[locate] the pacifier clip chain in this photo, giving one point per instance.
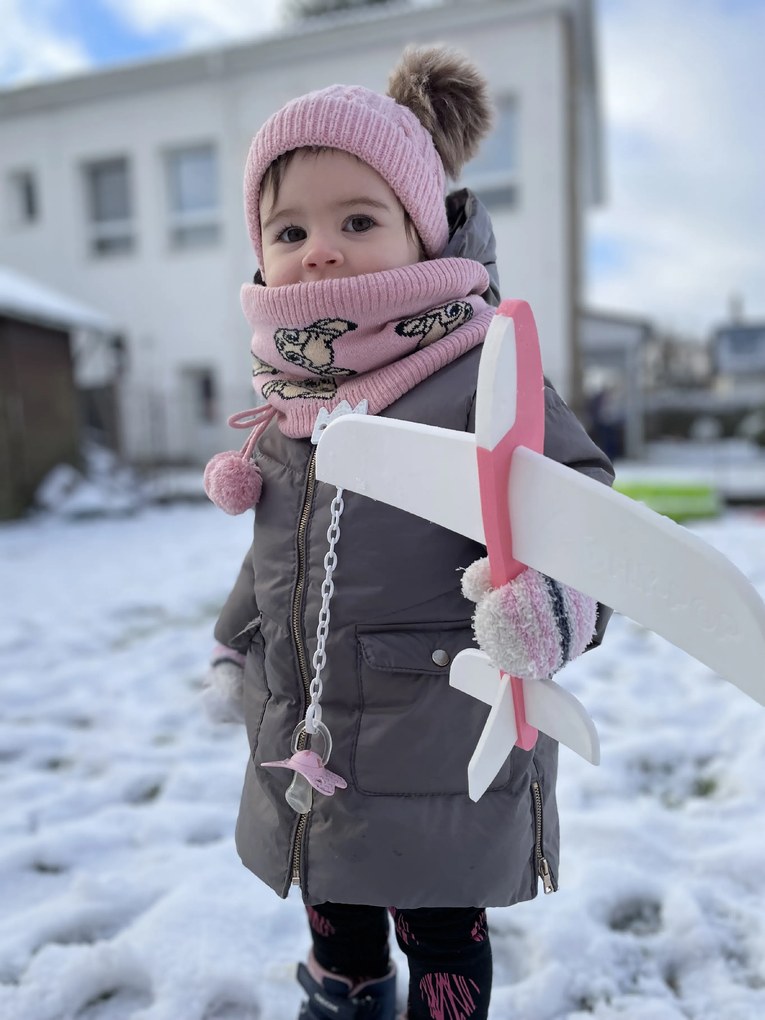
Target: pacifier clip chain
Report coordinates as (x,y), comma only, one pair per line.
(308,765)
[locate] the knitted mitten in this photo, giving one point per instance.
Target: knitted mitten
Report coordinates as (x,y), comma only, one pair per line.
(532,625)
(223,686)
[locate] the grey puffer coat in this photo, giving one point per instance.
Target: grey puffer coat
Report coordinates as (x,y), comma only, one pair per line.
(404,832)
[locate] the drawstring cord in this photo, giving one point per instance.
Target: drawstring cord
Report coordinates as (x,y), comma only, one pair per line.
(255,418)
(232,479)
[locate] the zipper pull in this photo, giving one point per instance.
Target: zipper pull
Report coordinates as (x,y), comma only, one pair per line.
(544,874)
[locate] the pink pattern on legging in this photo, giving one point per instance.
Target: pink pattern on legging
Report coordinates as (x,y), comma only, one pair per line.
(480,932)
(403,931)
(319,924)
(449,996)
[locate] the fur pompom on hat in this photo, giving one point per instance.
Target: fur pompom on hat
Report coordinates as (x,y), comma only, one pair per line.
(450,99)
(435,114)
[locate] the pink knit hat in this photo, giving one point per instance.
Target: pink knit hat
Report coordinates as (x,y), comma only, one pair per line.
(381,132)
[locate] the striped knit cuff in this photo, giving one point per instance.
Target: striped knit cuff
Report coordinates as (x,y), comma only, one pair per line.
(222,653)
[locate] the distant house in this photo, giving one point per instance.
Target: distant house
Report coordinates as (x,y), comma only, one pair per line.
(124,188)
(40,409)
(738,351)
(612,350)
(720,394)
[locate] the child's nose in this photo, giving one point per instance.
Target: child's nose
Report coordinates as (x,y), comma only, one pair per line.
(322,254)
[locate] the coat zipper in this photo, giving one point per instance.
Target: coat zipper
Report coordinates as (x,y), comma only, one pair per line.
(297,637)
(543,867)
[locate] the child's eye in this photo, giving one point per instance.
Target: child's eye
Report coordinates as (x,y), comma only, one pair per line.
(291,234)
(358,224)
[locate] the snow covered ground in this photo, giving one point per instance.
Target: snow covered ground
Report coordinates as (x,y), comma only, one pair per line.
(120,890)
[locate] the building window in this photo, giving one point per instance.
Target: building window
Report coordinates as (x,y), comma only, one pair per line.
(192,196)
(741,349)
(201,392)
(493,174)
(23,198)
(109,207)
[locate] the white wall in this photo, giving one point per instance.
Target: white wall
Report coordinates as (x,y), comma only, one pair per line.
(181,308)
(533,243)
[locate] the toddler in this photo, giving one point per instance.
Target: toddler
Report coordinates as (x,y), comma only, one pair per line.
(376,287)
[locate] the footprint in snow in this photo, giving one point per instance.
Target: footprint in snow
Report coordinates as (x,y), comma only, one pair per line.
(638,916)
(231,1011)
(114,1002)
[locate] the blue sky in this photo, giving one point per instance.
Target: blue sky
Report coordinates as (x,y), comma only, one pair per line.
(106,36)
(683,226)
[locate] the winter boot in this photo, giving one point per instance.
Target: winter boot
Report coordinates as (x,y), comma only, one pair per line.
(334,997)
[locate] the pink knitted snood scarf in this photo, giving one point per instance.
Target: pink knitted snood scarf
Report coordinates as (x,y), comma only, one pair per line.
(372,337)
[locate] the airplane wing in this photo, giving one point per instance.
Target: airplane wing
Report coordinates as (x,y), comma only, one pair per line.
(570,527)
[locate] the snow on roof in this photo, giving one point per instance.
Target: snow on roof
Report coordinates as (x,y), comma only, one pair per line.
(25,298)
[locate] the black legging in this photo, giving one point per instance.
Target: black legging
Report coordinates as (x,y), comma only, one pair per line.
(447,948)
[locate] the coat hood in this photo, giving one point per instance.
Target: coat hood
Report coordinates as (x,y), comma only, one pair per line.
(471,236)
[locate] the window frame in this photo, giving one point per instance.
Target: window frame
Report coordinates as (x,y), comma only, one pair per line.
(500,187)
(22,197)
(192,229)
(116,236)
(201,388)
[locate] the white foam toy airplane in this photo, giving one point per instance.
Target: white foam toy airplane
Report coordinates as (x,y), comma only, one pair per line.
(498,488)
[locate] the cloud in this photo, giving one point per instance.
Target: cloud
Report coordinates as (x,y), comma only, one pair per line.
(684,143)
(43,39)
(30,49)
(200,22)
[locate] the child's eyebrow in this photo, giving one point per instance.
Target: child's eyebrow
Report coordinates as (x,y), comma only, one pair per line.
(363,200)
(278,214)
(346,203)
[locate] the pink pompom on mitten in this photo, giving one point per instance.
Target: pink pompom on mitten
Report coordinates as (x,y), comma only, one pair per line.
(531,626)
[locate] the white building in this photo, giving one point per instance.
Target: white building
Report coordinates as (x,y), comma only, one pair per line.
(123,188)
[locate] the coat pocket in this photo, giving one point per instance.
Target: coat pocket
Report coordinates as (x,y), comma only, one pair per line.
(256,693)
(415,733)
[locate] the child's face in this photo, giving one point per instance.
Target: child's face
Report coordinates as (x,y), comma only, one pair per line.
(334,217)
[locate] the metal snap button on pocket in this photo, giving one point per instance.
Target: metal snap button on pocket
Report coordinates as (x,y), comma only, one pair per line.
(440,657)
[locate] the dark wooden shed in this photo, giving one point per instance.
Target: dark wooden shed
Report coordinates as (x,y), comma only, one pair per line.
(39,421)
(39,403)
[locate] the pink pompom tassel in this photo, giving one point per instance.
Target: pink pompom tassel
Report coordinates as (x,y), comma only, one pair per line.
(232,479)
(232,482)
